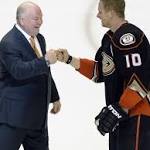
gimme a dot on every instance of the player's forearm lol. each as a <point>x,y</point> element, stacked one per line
<point>75,62</point>
<point>86,67</point>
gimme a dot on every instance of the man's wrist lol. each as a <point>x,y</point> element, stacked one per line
<point>47,61</point>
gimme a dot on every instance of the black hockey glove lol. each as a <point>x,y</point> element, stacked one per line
<point>109,117</point>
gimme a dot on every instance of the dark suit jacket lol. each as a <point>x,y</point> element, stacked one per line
<point>26,83</point>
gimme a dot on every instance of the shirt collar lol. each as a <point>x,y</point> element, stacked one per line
<point>27,36</point>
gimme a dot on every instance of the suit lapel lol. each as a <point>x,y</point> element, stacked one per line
<point>42,43</point>
<point>25,45</point>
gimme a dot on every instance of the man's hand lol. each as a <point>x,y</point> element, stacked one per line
<point>109,117</point>
<point>56,107</point>
<point>51,56</point>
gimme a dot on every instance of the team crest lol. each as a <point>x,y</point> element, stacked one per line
<point>108,64</point>
<point>127,39</point>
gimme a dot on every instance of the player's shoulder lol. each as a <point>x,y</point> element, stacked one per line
<point>127,36</point>
<point>106,40</point>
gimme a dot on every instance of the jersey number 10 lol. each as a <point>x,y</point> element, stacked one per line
<point>133,60</point>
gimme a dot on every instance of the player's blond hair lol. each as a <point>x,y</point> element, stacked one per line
<point>117,5</point>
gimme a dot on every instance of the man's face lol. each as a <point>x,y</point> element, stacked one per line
<point>104,15</point>
<point>32,21</point>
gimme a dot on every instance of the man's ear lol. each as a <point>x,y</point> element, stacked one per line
<point>21,22</point>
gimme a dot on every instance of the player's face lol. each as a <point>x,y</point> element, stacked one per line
<point>104,15</point>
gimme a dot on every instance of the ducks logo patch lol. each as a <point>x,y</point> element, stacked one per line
<point>108,66</point>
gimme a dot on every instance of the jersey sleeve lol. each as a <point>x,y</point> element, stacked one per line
<point>134,93</point>
<point>133,58</point>
<point>87,67</point>
<point>92,69</point>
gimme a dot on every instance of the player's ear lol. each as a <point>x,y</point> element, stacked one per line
<point>111,13</point>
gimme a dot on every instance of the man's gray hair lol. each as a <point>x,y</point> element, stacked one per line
<point>22,8</point>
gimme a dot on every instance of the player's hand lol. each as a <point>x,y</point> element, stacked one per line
<point>109,117</point>
<point>62,55</point>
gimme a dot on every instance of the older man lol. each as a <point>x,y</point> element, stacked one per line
<point>28,86</point>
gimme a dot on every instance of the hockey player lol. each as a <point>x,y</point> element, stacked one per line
<point>122,63</point>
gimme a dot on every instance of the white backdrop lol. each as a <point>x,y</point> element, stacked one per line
<point>72,24</point>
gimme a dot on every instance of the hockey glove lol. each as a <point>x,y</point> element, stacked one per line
<point>109,117</point>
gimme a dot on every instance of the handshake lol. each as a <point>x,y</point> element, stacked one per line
<point>52,56</point>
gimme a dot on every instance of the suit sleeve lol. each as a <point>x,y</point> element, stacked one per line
<point>54,92</point>
<point>11,58</point>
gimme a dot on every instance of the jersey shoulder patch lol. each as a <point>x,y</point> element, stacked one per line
<point>127,39</point>
<point>128,36</point>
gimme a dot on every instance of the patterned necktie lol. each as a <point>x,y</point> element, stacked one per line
<point>32,42</point>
